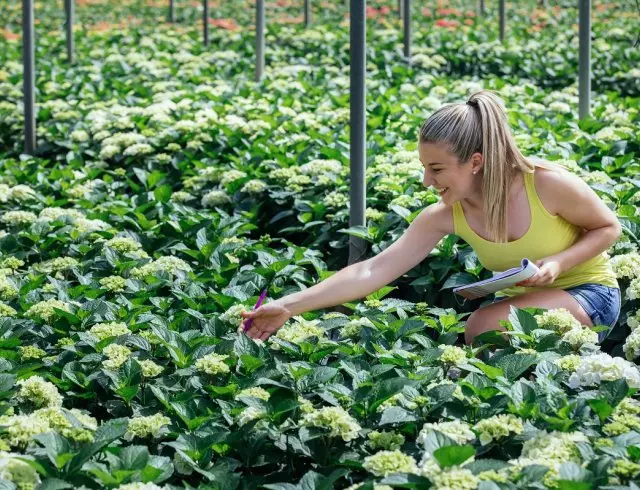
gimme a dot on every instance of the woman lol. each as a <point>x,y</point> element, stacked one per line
<point>505,207</point>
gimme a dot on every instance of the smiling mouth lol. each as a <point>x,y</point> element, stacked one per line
<point>442,191</point>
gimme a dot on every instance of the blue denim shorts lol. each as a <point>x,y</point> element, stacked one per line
<point>601,303</point>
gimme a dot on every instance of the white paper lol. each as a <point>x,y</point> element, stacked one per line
<point>499,281</point>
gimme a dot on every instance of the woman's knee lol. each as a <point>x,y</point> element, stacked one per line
<point>480,321</point>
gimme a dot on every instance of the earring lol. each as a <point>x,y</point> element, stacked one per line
<point>475,172</point>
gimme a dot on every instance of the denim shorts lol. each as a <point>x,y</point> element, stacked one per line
<point>601,303</point>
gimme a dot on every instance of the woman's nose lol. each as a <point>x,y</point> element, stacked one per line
<point>427,180</point>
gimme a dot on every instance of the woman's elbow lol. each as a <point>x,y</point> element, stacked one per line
<point>616,231</point>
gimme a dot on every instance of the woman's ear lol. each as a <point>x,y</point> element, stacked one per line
<point>477,162</point>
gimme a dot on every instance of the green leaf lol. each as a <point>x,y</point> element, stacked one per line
<point>162,193</point>
<point>400,480</point>
<point>514,365</point>
<point>601,408</point>
<point>522,320</point>
<point>396,415</point>
<point>134,457</point>
<point>453,455</point>
<point>614,391</point>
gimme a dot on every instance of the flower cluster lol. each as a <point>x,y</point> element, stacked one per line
<point>596,368</point>
<point>150,369</point>
<point>146,426</point>
<point>255,392</point>
<point>172,265</point>
<point>114,284</point>
<point>453,355</point>
<point>300,330</point>
<point>457,430</point>
<point>336,419</point>
<point>385,440</point>
<point>38,392</point>
<point>626,266</point>
<point>45,310</point>
<point>213,364</point>
<point>384,463</point>
<point>21,474</point>
<point>577,337</point>
<point>559,319</point>
<point>498,427</point>
<point>106,330</point>
<point>117,355</point>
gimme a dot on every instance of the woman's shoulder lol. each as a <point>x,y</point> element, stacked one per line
<point>553,183</point>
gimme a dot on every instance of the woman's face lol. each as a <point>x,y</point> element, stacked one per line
<point>454,181</point>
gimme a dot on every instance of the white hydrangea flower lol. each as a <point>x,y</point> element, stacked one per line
<point>626,266</point>
<point>454,479</point>
<point>255,392</point>
<point>633,291</point>
<point>215,198</point>
<point>45,309</point>
<point>596,368</point>
<point>117,355</point>
<point>457,430</point>
<point>498,427</point>
<point>634,320</point>
<point>577,337</point>
<point>79,136</point>
<point>568,363</point>
<point>231,176</point>
<point>353,328</point>
<point>232,315</point>
<point>38,392</point>
<point>143,427</point>
<point>254,186</point>
<point>213,364</point>
<point>22,193</point>
<point>452,354</point>
<point>336,419</point>
<point>18,218</point>
<point>300,330</point>
<point>632,345</point>
<point>18,472</point>
<point>172,265</point>
<point>320,167</point>
<point>558,319</point>
<point>384,463</point>
<point>111,329</point>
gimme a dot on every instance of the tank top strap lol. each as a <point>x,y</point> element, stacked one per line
<point>535,204</point>
<point>460,225</point>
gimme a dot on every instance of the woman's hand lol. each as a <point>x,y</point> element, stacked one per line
<point>549,270</point>
<point>266,320</point>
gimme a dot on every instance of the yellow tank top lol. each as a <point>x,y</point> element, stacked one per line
<point>547,235</point>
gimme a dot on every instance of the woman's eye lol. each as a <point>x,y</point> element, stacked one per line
<point>436,170</point>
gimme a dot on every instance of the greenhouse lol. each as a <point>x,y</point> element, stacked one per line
<point>318,244</point>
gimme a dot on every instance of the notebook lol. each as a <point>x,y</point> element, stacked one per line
<point>499,281</point>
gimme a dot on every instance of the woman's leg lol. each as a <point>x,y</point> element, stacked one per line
<point>488,317</point>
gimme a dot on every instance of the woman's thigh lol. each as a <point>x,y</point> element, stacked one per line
<point>488,317</point>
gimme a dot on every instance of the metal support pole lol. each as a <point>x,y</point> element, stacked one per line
<point>407,28</point>
<point>205,21</point>
<point>358,149</point>
<point>259,39</point>
<point>307,13</point>
<point>28,80</point>
<point>503,19</point>
<point>584,83</point>
<point>172,11</point>
<point>481,10</point>
<point>68,7</point>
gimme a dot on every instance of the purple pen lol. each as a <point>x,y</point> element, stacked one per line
<point>263,295</point>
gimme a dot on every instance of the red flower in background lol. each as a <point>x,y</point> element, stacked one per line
<point>447,23</point>
<point>228,24</point>
<point>427,12</point>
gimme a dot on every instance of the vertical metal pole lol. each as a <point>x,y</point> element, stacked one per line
<point>407,28</point>
<point>584,83</point>
<point>172,11</point>
<point>358,149</point>
<point>481,7</point>
<point>259,39</point>
<point>503,20</point>
<point>205,21</point>
<point>68,7</point>
<point>307,13</point>
<point>28,80</point>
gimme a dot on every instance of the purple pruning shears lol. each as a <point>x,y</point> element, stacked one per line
<point>263,295</point>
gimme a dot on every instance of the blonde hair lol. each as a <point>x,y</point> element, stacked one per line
<point>481,126</point>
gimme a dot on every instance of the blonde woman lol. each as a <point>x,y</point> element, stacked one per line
<point>506,207</point>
